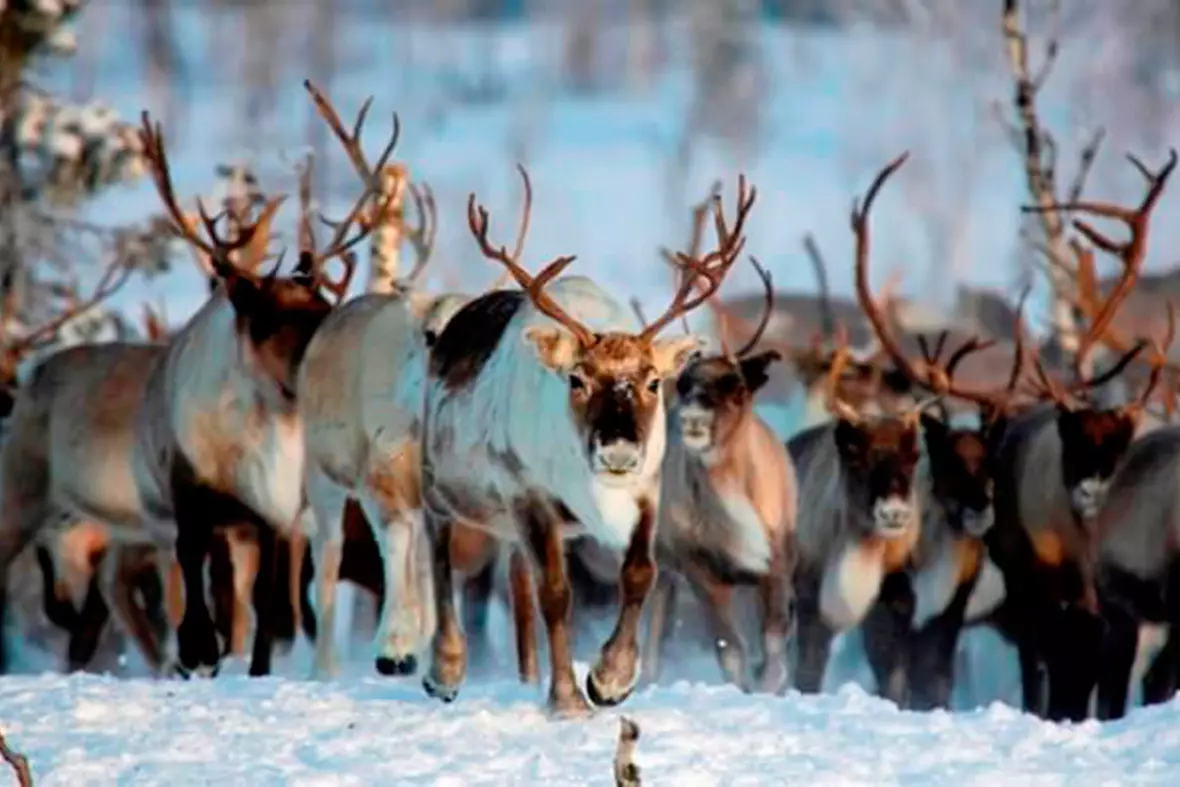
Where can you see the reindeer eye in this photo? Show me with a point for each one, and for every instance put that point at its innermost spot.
(577, 383)
(653, 385)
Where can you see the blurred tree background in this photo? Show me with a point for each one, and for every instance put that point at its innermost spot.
(63, 146)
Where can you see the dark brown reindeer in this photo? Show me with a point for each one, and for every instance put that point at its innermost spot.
(1057, 461)
(727, 509)
(219, 440)
(859, 514)
(911, 634)
(545, 419)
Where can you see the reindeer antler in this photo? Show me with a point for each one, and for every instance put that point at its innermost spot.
(251, 237)
(534, 286)
(712, 266)
(423, 236)
(341, 245)
(1132, 252)
(931, 375)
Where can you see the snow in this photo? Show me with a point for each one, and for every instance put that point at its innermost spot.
(233, 730)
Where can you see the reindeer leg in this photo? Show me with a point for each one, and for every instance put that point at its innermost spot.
(524, 620)
(814, 636)
(245, 556)
(327, 546)
(613, 678)
(932, 654)
(286, 609)
(121, 573)
(716, 598)
(228, 614)
(1120, 642)
(661, 616)
(264, 600)
(398, 635)
(449, 648)
(543, 530)
(196, 636)
(90, 622)
(887, 634)
(777, 596)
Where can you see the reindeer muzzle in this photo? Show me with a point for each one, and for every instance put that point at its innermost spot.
(976, 523)
(892, 516)
(619, 458)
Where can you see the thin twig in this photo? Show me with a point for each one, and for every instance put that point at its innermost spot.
(1085, 164)
(20, 763)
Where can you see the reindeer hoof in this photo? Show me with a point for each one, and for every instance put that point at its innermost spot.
(439, 691)
(406, 665)
(606, 696)
(573, 707)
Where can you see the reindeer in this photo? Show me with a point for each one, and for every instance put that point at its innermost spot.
(912, 631)
(360, 391)
(219, 440)
(727, 508)
(859, 508)
(1137, 573)
(1057, 461)
(545, 420)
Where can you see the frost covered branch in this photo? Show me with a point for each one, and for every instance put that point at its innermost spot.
(19, 763)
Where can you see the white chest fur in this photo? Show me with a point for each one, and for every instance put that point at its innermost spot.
(619, 513)
(988, 593)
(749, 547)
(850, 585)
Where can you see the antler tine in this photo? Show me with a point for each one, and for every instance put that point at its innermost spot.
(422, 238)
(712, 266)
(767, 308)
(477, 220)
(352, 142)
(151, 136)
(972, 345)
(339, 287)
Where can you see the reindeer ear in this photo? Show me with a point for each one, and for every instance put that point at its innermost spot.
(556, 348)
(670, 356)
(754, 368)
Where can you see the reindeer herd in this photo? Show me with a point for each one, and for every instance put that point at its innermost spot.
(287, 437)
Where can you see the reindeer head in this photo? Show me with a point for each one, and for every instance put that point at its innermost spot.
(715, 394)
(615, 379)
(962, 472)
(878, 457)
(1095, 439)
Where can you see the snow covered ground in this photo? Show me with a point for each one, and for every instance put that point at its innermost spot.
(234, 730)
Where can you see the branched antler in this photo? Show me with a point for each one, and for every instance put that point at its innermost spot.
(340, 246)
(713, 266)
(477, 220)
(930, 374)
(251, 238)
